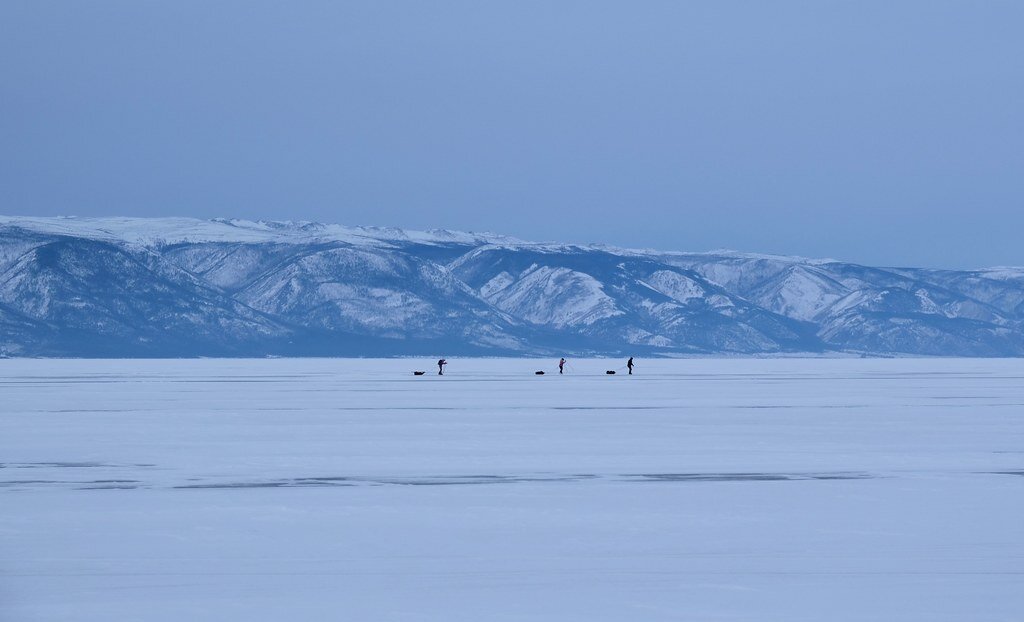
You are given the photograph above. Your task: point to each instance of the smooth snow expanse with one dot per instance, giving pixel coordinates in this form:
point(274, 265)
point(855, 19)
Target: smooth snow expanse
point(704, 490)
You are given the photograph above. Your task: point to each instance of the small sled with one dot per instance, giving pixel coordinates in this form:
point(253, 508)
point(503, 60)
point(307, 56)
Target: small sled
point(418, 373)
point(610, 372)
point(538, 373)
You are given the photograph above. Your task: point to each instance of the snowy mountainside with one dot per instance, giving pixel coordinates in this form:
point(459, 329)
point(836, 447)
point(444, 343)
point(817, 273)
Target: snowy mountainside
point(625, 299)
point(166, 231)
point(185, 287)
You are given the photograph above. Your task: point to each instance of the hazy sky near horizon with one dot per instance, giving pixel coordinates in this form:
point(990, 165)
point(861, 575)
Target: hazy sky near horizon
point(887, 132)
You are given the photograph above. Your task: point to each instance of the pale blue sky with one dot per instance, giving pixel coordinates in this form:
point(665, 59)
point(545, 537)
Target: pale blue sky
point(882, 132)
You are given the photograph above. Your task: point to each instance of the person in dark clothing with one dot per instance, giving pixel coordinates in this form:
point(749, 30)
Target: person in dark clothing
point(561, 365)
point(629, 364)
point(440, 366)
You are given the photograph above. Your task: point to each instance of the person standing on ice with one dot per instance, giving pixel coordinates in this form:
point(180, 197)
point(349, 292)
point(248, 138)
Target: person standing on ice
point(629, 364)
point(440, 366)
point(561, 365)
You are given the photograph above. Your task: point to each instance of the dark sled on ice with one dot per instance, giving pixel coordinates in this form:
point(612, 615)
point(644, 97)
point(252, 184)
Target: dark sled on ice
point(610, 372)
point(538, 373)
point(418, 373)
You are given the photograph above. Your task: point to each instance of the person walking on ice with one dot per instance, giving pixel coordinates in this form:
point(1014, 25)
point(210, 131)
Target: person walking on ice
point(629, 364)
point(440, 366)
point(561, 365)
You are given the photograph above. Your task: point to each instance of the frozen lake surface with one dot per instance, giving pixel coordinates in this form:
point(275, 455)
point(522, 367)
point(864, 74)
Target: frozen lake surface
point(786, 490)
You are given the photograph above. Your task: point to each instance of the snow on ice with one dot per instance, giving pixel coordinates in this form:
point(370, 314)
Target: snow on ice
point(328, 489)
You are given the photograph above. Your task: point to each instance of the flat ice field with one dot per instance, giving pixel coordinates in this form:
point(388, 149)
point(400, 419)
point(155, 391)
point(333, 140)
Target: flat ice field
point(704, 490)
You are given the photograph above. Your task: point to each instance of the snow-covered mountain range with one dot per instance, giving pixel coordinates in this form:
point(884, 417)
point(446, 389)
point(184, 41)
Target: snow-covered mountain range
point(185, 287)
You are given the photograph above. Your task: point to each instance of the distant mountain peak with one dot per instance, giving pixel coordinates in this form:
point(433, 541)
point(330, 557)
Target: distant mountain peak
point(176, 230)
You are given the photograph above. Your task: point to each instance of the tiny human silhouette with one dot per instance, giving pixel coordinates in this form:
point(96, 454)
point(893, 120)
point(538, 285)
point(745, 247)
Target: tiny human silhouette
point(561, 365)
point(629, 364)
point(440, 366)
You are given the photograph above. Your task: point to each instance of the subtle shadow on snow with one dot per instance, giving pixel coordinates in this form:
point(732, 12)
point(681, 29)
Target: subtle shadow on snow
point(477, 480)
point(489, 479)
point(49, 465)
point(67, 465)
point(79, 485)
point(239, 485)
point(743, 477)
point(442, 480)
